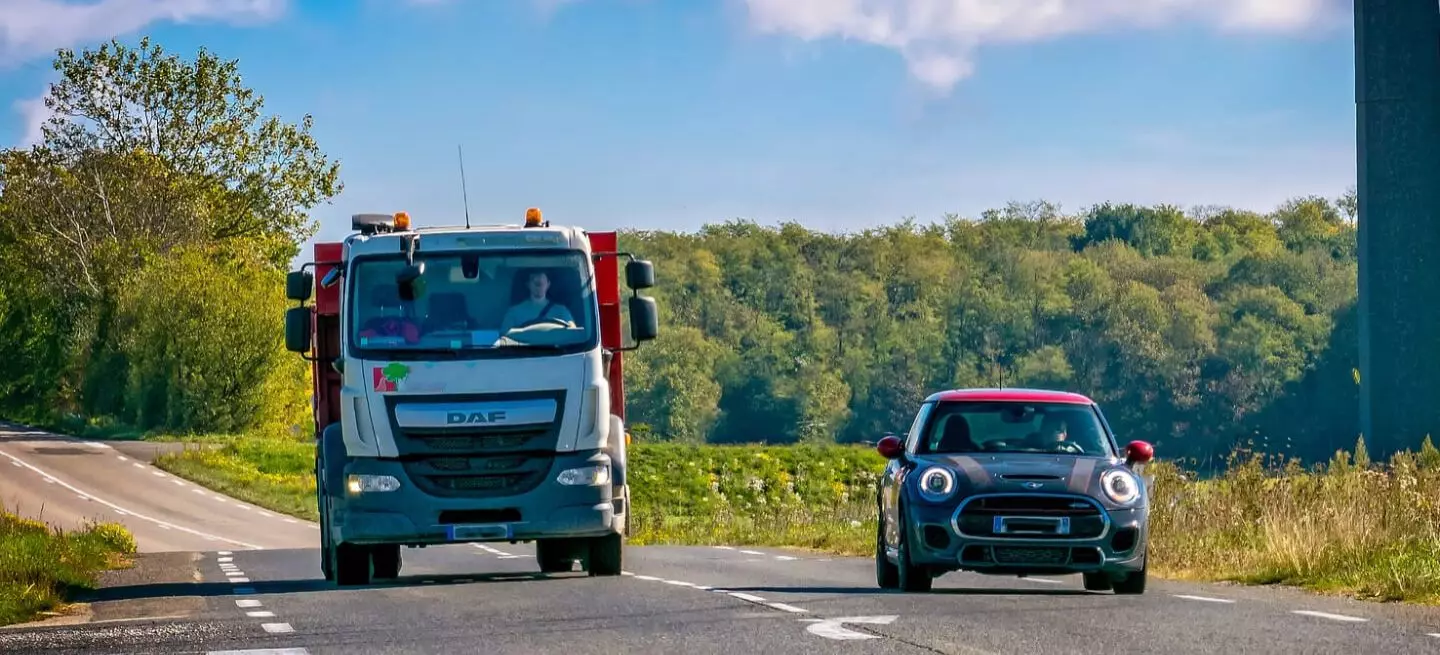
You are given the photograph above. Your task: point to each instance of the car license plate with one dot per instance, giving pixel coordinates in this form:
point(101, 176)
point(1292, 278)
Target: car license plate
point(482, 531)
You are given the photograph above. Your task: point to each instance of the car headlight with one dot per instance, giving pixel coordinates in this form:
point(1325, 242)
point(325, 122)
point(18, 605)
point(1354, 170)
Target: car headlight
point(936, 484)
point(1120, 486)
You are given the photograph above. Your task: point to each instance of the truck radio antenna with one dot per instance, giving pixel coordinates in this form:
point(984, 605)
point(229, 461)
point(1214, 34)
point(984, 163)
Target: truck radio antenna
point(465, 193)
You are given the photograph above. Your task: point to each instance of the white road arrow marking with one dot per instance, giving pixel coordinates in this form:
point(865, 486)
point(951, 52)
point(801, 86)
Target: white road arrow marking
point(833, 628)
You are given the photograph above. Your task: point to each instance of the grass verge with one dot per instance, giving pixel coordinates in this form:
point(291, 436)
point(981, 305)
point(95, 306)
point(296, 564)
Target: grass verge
point(40, 566)
point(1350, 526)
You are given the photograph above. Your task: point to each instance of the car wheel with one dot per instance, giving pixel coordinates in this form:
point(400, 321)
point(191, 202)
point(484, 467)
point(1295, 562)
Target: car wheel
point(1096, 581)
point(1133, 583)
point(912, 578)
point(887, 575)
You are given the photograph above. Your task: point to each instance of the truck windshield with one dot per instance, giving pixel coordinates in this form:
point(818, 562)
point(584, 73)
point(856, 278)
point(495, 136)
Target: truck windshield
point(1015, 427)
point(474, 301)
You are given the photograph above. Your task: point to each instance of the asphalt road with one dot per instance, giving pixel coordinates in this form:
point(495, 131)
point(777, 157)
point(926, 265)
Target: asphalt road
point(69, 482)
point(692, 600)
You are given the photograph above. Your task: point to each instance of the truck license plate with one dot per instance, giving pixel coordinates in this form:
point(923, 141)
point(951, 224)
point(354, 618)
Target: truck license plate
point(485, 531)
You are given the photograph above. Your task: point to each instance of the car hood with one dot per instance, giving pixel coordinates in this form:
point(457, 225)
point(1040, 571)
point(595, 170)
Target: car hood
point(1026, 472)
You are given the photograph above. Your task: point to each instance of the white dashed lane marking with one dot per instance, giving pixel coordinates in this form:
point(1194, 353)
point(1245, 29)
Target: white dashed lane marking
point(245, 603)
point(261, 614)
point(1206, 599)
point(277, 628)
point(1332, 617)
point(261, 651)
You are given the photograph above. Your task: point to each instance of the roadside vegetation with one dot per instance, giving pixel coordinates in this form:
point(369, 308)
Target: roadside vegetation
point(40, 566)
point(152, 304)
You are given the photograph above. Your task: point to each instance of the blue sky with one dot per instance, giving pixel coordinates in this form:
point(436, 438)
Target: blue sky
point(838, 114)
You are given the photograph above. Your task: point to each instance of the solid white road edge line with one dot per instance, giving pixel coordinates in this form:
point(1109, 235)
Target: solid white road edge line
point(261, 651)
point(102, 501)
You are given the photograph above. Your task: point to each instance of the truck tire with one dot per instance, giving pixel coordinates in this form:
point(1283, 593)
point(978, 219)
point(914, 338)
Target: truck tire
point(387, 561)
point(353, 565)
point(606, 556)
point(555, 555)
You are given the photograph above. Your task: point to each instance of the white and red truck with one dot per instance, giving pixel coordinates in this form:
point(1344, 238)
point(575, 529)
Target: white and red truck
point(468, 388)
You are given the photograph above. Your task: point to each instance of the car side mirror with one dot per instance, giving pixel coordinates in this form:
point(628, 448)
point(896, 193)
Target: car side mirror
point(644, 320)
point(639, 274)
point(1139, 452)
point(299, 285)
point(890, 447)
point(297, 330)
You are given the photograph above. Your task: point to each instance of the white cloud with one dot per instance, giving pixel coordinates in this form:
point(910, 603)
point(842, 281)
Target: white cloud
point(939, 38)
point(33, 114)
point(35, 28)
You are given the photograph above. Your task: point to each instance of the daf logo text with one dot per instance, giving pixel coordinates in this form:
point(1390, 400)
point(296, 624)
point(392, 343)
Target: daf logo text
point(463, 418)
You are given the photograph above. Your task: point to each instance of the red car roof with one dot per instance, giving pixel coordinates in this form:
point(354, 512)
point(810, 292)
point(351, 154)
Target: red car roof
point(1011, 395)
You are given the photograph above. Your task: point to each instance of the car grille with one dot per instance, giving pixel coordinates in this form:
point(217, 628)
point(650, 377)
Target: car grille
point(1031, 516)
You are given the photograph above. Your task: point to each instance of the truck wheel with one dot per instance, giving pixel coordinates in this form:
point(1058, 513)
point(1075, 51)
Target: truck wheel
point(327, 559)
point(555, 555)
point(606, 555)
point(353, 565)
point(387, 561)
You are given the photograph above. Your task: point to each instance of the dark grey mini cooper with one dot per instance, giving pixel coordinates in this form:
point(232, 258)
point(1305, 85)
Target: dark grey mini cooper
point(1013, 482)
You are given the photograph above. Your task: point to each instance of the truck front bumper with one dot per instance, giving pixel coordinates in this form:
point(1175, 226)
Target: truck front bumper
point(410, 516)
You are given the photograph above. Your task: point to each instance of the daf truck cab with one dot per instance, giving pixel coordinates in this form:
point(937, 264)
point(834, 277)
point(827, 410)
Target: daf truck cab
point(468, 388)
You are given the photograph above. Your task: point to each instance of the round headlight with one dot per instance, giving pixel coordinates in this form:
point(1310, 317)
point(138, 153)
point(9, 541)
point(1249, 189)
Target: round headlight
point(1121, 486)
point(936, 484)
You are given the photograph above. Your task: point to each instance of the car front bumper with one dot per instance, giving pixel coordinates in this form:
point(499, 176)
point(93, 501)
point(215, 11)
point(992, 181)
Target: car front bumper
point(411, 516)
point(935, 542)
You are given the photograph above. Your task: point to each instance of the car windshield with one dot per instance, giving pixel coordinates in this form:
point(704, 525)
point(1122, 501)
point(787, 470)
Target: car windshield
point(473, 301)
point(1015, 427)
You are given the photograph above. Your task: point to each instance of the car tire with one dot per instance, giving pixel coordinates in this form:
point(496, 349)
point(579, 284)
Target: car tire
point(912, 578)
point(1096, 581)
point(1134, 583)
point(887, 575)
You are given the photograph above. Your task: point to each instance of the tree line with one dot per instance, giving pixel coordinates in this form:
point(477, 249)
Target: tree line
point(146, 239)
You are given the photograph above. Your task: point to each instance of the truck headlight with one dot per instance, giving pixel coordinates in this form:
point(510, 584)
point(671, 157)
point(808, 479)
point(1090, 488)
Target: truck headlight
point(364, 484)
point(584, 476)
point(936, 484)
point(1120, 486)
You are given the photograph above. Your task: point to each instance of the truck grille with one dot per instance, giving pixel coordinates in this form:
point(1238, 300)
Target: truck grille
point(1031, 516)
point(477, 461)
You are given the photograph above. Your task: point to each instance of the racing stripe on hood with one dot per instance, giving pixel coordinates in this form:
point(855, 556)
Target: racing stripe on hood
point(1080, 475)
point(979, 477)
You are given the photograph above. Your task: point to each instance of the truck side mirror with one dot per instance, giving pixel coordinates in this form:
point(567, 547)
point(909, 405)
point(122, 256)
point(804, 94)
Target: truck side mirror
point(639, 274)
point(644, 320)
point(297, 330)
point(299, 285)
point(406, 279)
